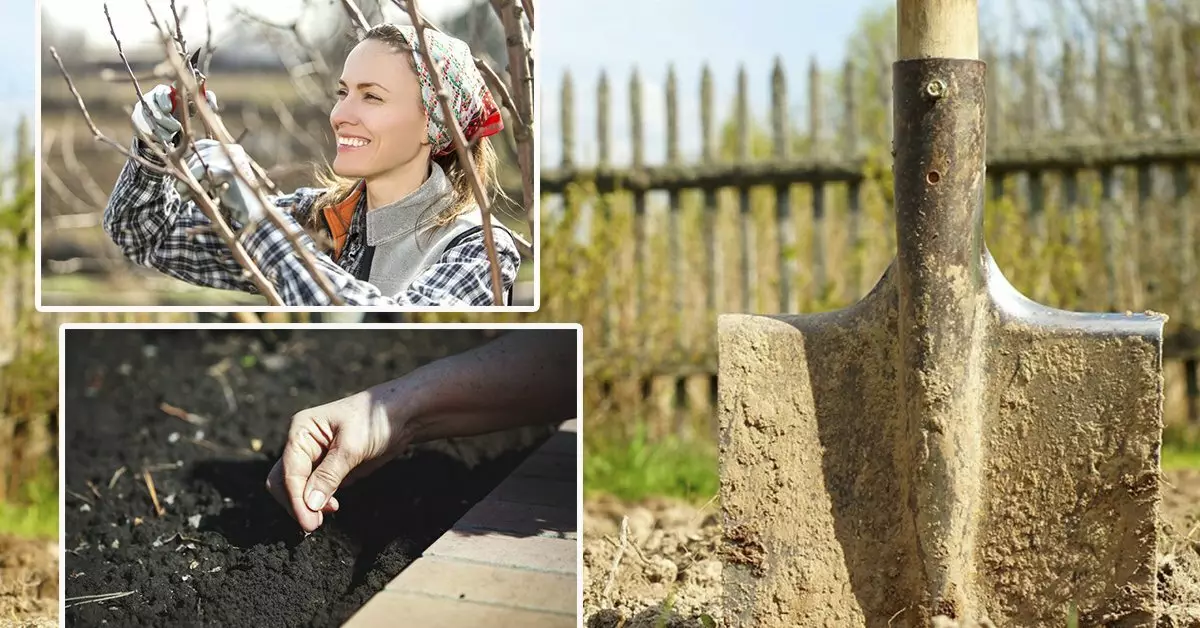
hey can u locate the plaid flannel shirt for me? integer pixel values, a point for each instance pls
(154, 227)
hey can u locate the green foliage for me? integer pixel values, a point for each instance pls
(1181, 447)
(30, 380)
(16, 213)
(34, 513)
(635, 468)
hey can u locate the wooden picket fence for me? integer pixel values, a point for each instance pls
(770, 219)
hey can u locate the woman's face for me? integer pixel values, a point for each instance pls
(379, 120)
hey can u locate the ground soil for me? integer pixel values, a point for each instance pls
(28, 583)
(224, 552)
(669, 573)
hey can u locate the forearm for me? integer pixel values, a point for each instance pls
(156, 228)
(522, 378)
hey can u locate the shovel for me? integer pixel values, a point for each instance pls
(944, 449)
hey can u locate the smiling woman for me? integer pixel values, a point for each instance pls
(395, 218)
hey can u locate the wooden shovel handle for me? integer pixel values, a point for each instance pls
(931, 29)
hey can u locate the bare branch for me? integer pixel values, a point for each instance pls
(149, 165)
(521, 123)
(289, 124)
(78, 172)
(218, 130)
(520, 69)
(174, 170)
(528, 5)
(464, 156)
(357, 19)
(137, 86)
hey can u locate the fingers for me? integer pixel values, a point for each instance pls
(276, 488)
(297, 465)
(326, 479)
(161, 97)
(211, 97)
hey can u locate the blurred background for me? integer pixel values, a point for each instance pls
(274, 71)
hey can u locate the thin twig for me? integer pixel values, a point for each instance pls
(520, 70)
(182, 414)
(88, 599)
(82, 498)
(616, 562)
(175, 169)
(137, 86)
(116, 476)
(357, 19)
(464, 156)
(217, 128)
(149, 165)
(528, 5)
(208, 46)
(158, 509)
(77, 171)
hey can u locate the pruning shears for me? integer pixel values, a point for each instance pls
(177, 104)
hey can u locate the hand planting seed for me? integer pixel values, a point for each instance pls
(521, 378)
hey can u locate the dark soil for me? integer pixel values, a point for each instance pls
(246, 563)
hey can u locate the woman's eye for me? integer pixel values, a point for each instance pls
(341, 93)
(373, 97)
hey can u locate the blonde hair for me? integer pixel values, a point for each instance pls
(483, 154)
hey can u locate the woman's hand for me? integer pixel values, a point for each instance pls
(521, 378)
(152, 114)
(329, 446)
(217, 166)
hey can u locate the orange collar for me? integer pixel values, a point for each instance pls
(339, 216)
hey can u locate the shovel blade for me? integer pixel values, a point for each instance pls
(819, 469)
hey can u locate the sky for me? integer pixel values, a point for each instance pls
(583, 36)
(16, 64)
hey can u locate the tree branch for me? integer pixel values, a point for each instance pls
(464, 156)
(520, 69)
(217, 129)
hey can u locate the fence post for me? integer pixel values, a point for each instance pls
(1188, 280)
(786, 232)
(612, 306)
(1069, 101)
(745, 210)
(1103, 111)
(995, 121)
(675, 253)
(818, 187)
(568, 122)
(708, 158)
(639, 196)
(851, 147)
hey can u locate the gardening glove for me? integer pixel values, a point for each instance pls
(328, 447)
(152, 114)
(217, 173)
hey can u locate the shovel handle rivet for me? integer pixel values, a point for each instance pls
(933, 177)
(936, 88)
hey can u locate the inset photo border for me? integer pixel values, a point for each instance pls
(190, 454)
(302, 124)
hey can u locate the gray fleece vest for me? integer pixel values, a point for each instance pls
(405, 240)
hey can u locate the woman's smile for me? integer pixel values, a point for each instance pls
(348, 143)
(379, 122)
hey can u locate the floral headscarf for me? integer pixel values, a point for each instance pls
(470, 99)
